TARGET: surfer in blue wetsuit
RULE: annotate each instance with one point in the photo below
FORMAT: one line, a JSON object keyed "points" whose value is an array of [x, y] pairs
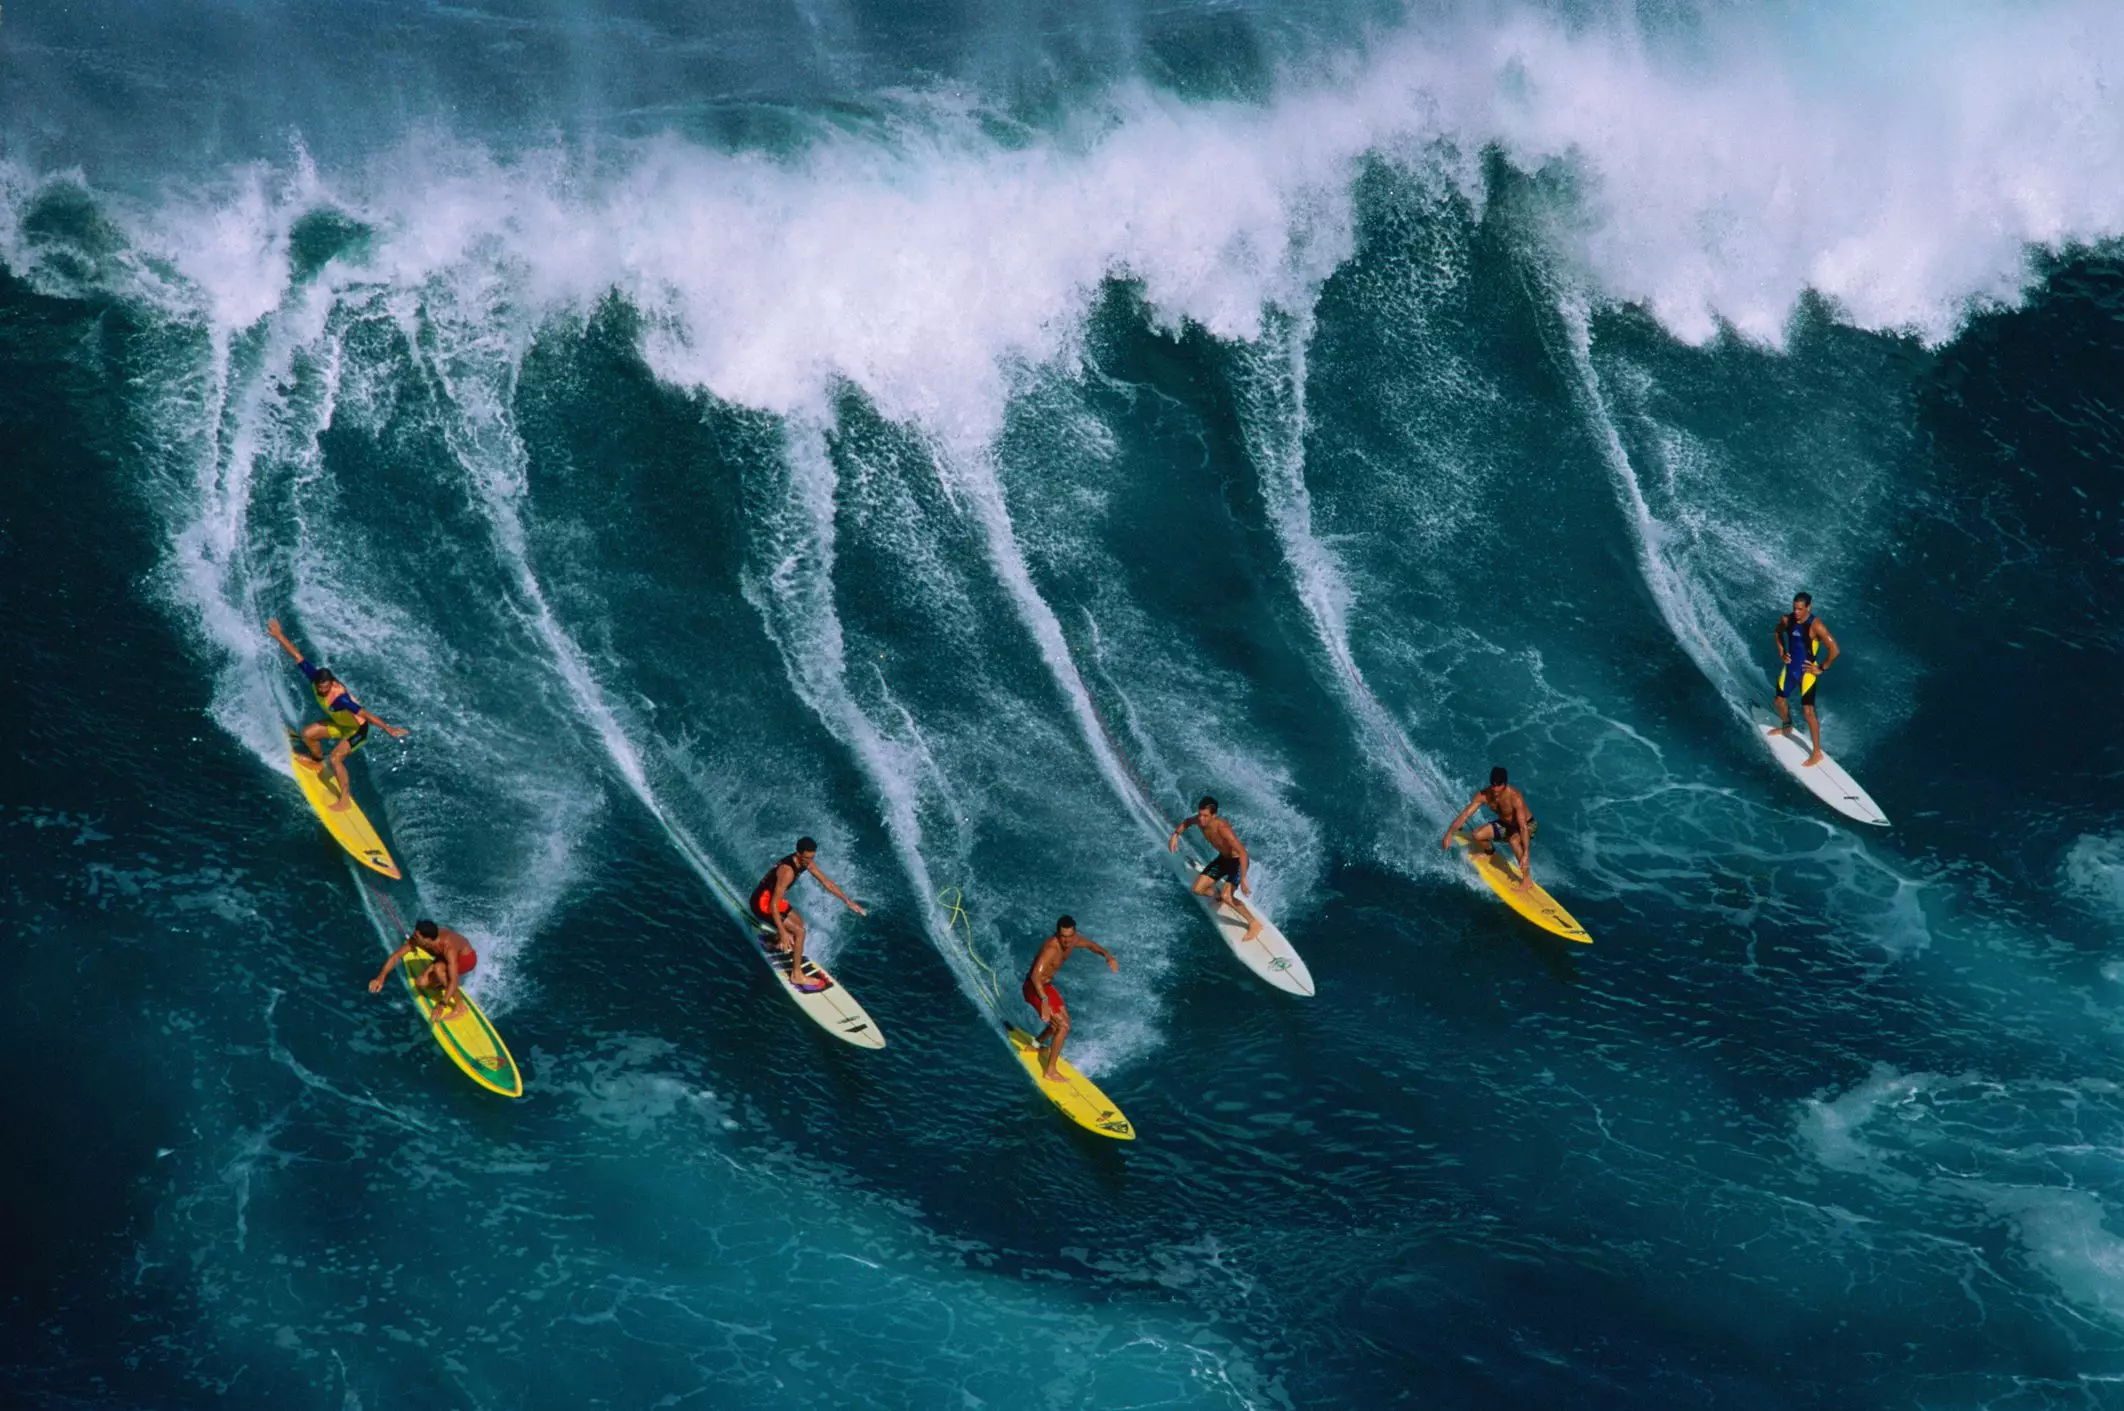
{"points": [[1514, 824], [1800, 639], [346, 724]]}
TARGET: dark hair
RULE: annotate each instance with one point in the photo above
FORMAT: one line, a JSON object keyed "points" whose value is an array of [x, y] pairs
{"points": [[1208, 803], [425, 929], [1807, 598], [807, 845], [324, 673], [1497, 775], [1067, 923]]}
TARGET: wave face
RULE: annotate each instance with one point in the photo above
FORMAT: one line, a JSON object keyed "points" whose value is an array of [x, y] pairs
{"points": [[966, 434]]}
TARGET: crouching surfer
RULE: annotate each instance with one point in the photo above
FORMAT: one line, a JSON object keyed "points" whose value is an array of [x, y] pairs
{"points": [[1040, 992], [1514, 824], [770, 905], [451, 959]]}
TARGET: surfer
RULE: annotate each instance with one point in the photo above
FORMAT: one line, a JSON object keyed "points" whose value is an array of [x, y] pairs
{"points": [[453, 956], [770, 903], [1514, 824], [1226, 875], [1800, 638], [1041, 994], [345, 721]]}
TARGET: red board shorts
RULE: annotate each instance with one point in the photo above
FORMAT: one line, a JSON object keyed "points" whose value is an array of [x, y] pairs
{"points": [[1056, 1008], [760, 905], [440, 964]]}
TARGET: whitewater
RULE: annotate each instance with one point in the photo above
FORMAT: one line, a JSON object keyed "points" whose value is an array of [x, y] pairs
{"points": [[966, 438]]}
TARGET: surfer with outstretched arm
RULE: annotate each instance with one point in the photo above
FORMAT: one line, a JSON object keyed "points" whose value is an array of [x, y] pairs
{"points": [[453, 959], [1514, 824], [1226, 875], [345, 722], [770, 903], [1800, 638], [1040, 992]]}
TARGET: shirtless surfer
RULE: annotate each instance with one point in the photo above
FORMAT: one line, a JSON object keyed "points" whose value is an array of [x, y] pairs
{"points": [[1514, 824], [1226, 875], [1040, 992], [345, 721], [453, 959], [1800, 638], [770, 903]]}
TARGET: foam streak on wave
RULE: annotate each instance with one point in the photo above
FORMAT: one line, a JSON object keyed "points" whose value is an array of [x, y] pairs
{"points": [[1698, 627], [1274, 421], [974, 477], [492, 454], [789, 581]]}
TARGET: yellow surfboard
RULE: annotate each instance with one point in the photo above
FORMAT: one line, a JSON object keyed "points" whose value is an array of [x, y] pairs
{"points": [[349, 825], [1078, 1096], [468, 1038], [1501, 871]]}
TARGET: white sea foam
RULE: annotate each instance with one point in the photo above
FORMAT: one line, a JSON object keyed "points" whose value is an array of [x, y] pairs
{"points": [[1273, 418], [789, 582], [2037, 1156], [1901, 169], [2094, 868]]}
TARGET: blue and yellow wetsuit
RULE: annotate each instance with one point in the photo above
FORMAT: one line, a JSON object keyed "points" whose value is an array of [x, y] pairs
{"points": [[1801, 650], [342, 712]]}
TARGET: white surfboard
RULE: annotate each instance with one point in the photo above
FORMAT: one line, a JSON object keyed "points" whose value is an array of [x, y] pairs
{"points": [[1827, 780], [1268, 955], [832, 1008]]}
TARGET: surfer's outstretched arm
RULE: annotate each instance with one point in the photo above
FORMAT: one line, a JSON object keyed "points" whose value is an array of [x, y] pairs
{"points": [[832, 886], [1080, 941], [385, 973], [1459, 818], [396, 732], [273, 627], [1172, 844]]}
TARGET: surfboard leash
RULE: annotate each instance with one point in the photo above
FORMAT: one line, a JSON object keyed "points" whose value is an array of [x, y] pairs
{"points": [[953, 900]]}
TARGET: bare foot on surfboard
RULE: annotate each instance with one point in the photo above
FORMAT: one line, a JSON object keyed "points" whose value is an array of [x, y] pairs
{"points": [[1811, 760]]}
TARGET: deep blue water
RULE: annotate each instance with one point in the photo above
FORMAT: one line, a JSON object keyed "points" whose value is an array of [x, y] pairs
{"points": [[952, 431]]}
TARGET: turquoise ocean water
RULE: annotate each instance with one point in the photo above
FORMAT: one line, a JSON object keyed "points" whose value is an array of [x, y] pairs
{"points": [[953, 431]]}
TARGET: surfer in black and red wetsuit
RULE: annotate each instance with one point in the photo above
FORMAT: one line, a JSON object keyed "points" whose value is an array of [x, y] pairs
{"points": [[1040, 992], [770, 903], [1800, 638], [454, 959]]}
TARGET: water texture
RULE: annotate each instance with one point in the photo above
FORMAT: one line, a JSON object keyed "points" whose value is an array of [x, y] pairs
{"points": [[965, 434]]}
